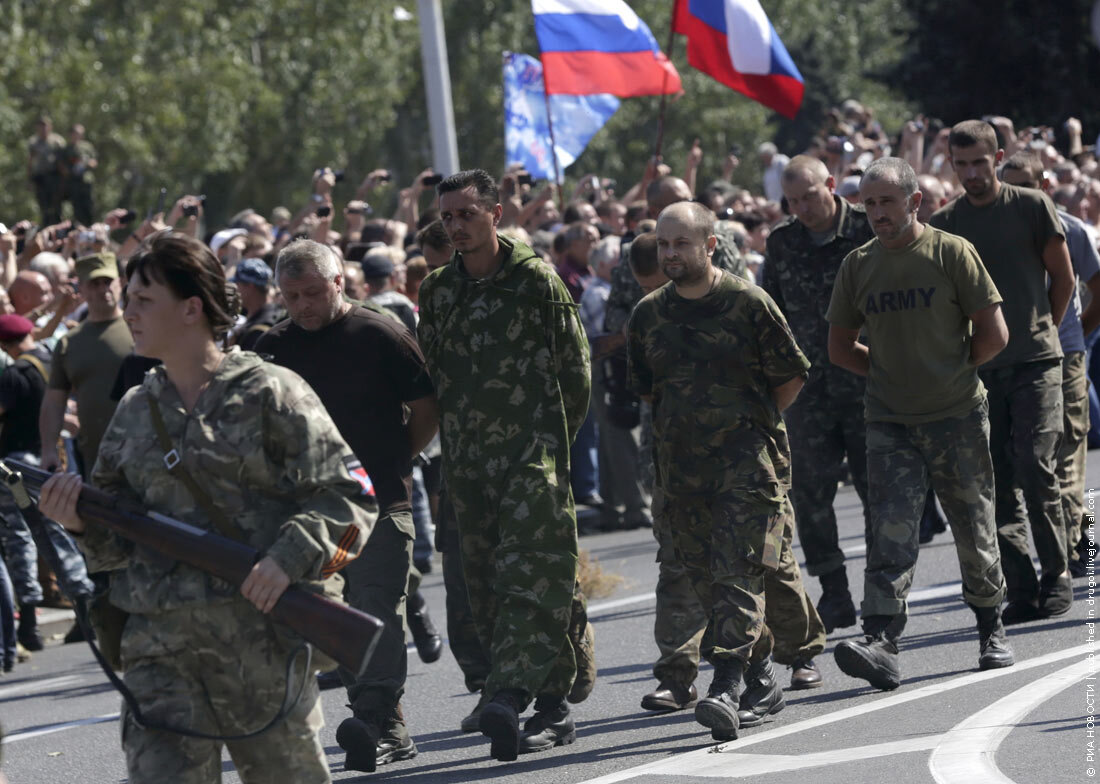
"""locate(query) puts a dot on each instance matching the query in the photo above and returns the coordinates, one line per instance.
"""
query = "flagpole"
(664, 84)
(553, 146)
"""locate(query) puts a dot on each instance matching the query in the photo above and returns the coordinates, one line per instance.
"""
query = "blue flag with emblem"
(576, 118)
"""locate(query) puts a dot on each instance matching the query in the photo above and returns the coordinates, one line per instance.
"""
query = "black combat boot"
(874, 660)
(763, 694)
(805, 675)
(835, 605)
(358, 735)
(550, 726)
(28, 635)
(500, 723)
(1055, 594)
(995, 652)
(394, 743)
(718, 710)
(429, 645)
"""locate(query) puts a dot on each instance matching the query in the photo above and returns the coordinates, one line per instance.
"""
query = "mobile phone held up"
(431, 180)
(323, 211)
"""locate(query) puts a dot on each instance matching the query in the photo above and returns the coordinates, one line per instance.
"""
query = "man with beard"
(1020, 240)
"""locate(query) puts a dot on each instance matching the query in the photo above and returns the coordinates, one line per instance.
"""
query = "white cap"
(224, 236)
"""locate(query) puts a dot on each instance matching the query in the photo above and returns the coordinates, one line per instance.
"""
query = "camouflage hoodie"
(264, 448)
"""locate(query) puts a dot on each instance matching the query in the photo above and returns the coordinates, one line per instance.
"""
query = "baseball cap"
(377, 264)
(97, 265)
(254, 271)
(224, 236)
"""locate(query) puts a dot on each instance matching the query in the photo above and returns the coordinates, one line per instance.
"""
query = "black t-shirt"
(22, 387)
(131, 373)
(363, 366)
(257, 324)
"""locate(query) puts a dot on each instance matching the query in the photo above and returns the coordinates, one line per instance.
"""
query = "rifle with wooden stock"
(346, 635)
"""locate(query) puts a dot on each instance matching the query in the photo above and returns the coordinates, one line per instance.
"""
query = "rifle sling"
(174, 464)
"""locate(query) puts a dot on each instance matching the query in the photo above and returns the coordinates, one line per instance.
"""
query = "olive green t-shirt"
(1010, 235)
(86, 361)
(914, 305)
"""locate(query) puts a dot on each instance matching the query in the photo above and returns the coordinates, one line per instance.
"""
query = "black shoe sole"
(804, 685)
(995, 664)
(717, 718)
(661, 706)
(502, 732)
(354, 738)
(565, 740)
(852, 662)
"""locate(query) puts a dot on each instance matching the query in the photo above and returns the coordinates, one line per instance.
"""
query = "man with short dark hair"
(367, 399)
(509, 358)
(720, 447)
(254, 284)
(435, 244)
(932, 317)
(1020, 240)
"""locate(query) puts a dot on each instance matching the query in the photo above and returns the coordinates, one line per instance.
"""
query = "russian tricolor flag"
(600, 46)
(734, 42)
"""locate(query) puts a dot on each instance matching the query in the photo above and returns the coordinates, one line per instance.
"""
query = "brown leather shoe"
(805, 675)
(670, 696)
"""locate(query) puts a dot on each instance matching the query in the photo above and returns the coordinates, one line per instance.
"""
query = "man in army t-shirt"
(916, 291)
(716, 358)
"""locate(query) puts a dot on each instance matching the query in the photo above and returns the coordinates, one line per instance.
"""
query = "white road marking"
(52, 728)
(29, 686)
(706, 762)
(967, 752)
(626, 601)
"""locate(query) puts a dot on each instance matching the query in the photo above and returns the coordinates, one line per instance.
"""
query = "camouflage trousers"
(680, 625)
(376, 583)
(822, 433)
(951, 455)
(217, 669)
(727, 545)
(1025, 429)
(1073, 451)
(22, 551)
(518, 533)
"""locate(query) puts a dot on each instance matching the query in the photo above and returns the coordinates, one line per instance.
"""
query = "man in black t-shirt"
(22, 386)
(369, 372)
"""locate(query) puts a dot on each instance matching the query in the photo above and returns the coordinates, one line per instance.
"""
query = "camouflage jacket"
(262, 445)
(626, 293)
(710, 365)
(799, 276)
(508, 356)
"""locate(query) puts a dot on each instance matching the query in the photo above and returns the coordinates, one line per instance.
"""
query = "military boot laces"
(763, 695)
(500, 723)
(995, 652)
(718, 711)
(836, 608)
(874, 660)
(550, 726)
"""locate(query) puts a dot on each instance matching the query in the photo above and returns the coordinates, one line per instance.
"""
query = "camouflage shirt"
(262, 445)
(710, 365)
(508, 356)
(799, 275)
(626, 293)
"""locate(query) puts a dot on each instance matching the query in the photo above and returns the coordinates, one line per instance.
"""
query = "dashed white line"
(52, 728)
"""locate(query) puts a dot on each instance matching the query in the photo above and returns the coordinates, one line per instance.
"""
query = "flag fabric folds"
(600, 46)
(734, 42)
(576, 118)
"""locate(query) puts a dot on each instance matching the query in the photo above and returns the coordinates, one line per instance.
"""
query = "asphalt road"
(948, 723)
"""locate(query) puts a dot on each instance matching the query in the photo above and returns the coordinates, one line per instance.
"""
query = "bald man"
(933, 196)
(29, 291)
(804, 252)
(723, 466)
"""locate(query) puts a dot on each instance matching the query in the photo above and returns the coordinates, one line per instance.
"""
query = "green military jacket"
(509, 359)
(710, 365)
(262, 445)
(799, 276)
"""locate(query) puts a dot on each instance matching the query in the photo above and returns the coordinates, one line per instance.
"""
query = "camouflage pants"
(727, 544)
(822, 433)
(22, 551)
(462, 637)
(1025, 428)
(680, 624)
(518, 535)
(902, 460)
(1074, 447)
(218, 669)
(376, 583)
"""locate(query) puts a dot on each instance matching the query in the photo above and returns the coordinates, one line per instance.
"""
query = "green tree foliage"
(242, 101)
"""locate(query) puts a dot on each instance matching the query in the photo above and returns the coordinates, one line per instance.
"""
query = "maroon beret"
(13, 328)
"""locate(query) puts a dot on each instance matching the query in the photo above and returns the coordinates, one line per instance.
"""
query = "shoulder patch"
(359, 474)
